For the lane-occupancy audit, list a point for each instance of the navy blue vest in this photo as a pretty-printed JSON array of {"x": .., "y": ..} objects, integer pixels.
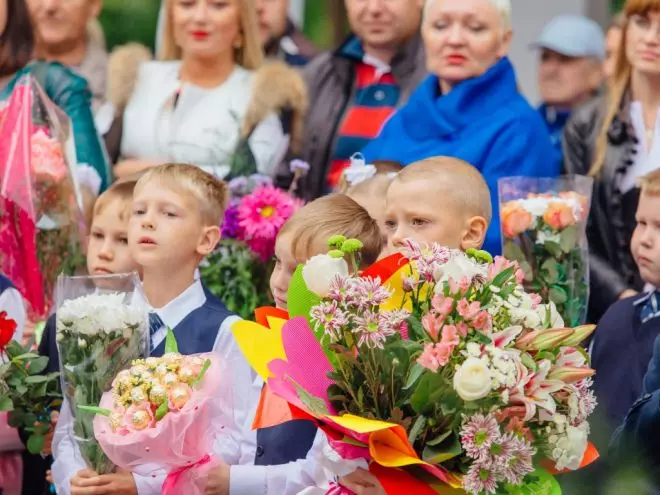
[
  {"x": 284, "y": 443},
  {"x": 197, "y": 332},
  {"x": 5, "y": 283}
]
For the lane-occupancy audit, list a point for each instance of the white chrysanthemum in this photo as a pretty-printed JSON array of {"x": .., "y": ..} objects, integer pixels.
[{"x": 97, "y": 313}]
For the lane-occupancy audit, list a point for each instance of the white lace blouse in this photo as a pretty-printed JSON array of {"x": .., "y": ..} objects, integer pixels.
[{"x": 203, "y": 127}]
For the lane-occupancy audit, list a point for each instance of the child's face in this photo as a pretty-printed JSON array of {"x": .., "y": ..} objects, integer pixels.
[
  {"x": 645, "y": 245},
  {"x": 107, "y": 251},
  {"x": 414, "y": 210},
  {"x": 285, "y": 265},
  {"x": 375, "y": 206},
  {"x": 166, "y": 228}
]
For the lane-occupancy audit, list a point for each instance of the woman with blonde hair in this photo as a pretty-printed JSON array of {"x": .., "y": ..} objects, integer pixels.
[
  {"x": 191, "y": 105},
  {"x": 616, "y": 139}
]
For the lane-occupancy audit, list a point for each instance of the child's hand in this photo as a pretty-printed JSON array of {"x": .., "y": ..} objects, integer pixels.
[
  {"x": 362, "y": 482},
  {"x": 218, "y": 483},
  {"x": 48, "y": 442},
  {"x": 87, "y": 482}
]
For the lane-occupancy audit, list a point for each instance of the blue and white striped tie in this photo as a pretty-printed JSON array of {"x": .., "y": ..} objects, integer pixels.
[{"x": 155, "y": 324}]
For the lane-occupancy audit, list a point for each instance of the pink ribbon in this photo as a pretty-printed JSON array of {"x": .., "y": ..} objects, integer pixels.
[{"x": 170, "y": 484}]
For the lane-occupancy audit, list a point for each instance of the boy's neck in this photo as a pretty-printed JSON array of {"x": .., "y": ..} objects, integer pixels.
[{"x": 163, "y": 286}]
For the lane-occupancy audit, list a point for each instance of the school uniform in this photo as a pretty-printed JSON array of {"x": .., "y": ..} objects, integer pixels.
[{"x": 201, "y": 323}]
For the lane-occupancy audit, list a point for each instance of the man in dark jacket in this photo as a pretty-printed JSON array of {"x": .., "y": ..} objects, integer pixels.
[
  {"x": 354, "y": 89},
  {"x": 279, "y": 36}
]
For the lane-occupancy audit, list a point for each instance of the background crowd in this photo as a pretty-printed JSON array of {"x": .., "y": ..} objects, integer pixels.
[{"x": 411, "y": 80}]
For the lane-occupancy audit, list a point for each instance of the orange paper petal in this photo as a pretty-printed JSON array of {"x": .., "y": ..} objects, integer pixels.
[
  {"x": 273, "y": 411},
  {"x": 590, "y": 456},
  {"x": 261, "y": 314},
  {"x": 400, "y": 482}
]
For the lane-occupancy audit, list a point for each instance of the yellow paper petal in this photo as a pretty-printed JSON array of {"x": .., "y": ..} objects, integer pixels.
[
  {"x": 260, "y": 345},
  {"x": 390, "y": 450},
  {"x": 395, "y": 284},
  {"x": 276, "y": 323},
  {"x": 361, "y": 425}
]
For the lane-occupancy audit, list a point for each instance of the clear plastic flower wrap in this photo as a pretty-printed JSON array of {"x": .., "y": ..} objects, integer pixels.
[
  {"x": 41, "y": 224},
  {"x": 169, "y": 414},
  {"x": 102, "y": 326},
  {"x": 543, "y": 222}
]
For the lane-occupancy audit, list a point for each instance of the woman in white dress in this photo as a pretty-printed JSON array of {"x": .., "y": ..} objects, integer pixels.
[{"x": 190, "y": 106}]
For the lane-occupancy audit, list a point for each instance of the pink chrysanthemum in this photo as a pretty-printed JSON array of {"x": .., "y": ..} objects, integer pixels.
[
  {"x": 480, "y": 479},
  {"x": 478, "y": 434},
  {"x": 372, "y": 329},
  {"x": 397, "y": 320},
  {"x": 330, "y": 317},
  {"x": 341, "y": 289},
  {"x": 519, "y": 464},
  {"x": 586, "y": 400},
  {"x": 369, "y": 293},
  {"x": 262, "y": 214}
]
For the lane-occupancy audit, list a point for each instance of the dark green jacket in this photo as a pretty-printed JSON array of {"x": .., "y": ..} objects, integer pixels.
[{"x": 70, "y": 93}]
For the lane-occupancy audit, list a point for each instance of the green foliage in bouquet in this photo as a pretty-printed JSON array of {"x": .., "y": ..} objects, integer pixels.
[
  {"x": 235, "y": 275},
  {"x": 28, "y": 394}
]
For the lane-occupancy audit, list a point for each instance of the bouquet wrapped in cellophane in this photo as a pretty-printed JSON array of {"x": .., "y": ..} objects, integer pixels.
[
  {"x": 102, "y": 326},
  {"x": 41, "y": 225},
  {"x": 439, "y": 365},
  {"x": 543, "y": 222},
  {"x": 170, "y": 413}
]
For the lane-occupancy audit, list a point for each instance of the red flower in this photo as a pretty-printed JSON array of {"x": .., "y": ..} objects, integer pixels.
[{"x": 7, "y": 329}]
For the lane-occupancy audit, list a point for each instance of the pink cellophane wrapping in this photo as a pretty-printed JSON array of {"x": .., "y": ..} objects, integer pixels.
[
  {"x": 11, "y": 463},
  {"x": 186, "y": 439}
]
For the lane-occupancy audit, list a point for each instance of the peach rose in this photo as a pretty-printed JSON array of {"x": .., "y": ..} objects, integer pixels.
[
  {"x": 47, "y": 156},
  {"x": 581, "y": 199},
  {"x": 515, "y": 220},
  {"x": 559, "y": 215}
]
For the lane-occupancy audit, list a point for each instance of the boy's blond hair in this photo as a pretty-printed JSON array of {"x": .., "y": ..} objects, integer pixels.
[
  {"x": 209, "y": 192},
  {"x": 121, "y": 191},
  {"x": 336, "y": 214},
  {"x": 376, "y": 186},
  {"x": 457, "y": 180},
  {"x": 650, "y": 183}
]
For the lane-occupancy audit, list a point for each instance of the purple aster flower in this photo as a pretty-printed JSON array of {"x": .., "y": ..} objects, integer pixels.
[
  {"x": 238, "y": 186},
  {"x": 300, "y": 166},
  {"x": 480, "y": 478},
  {"x": 258, "y": 180},
  {"x": 231, "y": 228},
  {"x": 478, "y": 434}
]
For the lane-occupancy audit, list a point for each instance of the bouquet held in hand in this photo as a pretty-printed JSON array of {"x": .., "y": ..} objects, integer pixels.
[
  {"x": 439, "y": 364},
  {"x": 98, "y": 335},
  {"x": 543, "y": 225}
]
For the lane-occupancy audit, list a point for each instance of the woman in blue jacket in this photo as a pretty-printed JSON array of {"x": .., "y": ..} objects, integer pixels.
[{"x": 469, "y": 107}]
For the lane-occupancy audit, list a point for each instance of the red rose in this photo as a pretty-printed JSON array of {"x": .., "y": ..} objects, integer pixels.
[{"x": 7, "y": 329}]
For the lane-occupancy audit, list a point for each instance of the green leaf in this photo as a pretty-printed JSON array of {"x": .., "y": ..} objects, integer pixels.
[
  {"x": 503, "y": 276},
  {"x": 6, "y": 404},
  {"x": 527, "y": 270},
  {"x": 417, "y": 428},
  {"x": 415, "y": 374},
  {"x": 439, "y": 439},
  {"x": 95, "y": 410},
  {"x": 170, "y": 342},
  {"x": 36, "y": 379},
  {"x": 202, "y": 373},
  {"x": 15, "y": 418},
  {"x": 35, "y": 443},
  {"x": 38, "y": 365},
  {"x": 550, "y": 271},
  {"x": 553, "y": 248},
  {"x": 430, "y": 390},
  {"x": 482, "y": 337},
  {"x": 24, "y": 356},
  {"x": 513, "y": 251},
  {"x": 540, "y": 482},
  {"x": 569, "y": 238},
  {"x": 557, "y": 295},
  {"x": 162, "y": 411},
  {"x": 447, "y": 450}
]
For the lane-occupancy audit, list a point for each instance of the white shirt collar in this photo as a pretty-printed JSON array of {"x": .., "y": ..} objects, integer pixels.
[{"x": 185, "y": 303}]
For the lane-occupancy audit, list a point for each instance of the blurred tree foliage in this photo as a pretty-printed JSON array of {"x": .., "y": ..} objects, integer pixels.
[
  {"x": 131, "y": 20},
  {"x": 617, "y": 5}
]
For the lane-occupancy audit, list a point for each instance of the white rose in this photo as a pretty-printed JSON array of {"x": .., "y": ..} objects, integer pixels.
[
  {"x": 319, "y": 271},
  {"x": 528, "y": 318},
  {"x": 472, "y": 380},
  {"x": 535, "y": 206},
  {"x": 573, "y": 446}
]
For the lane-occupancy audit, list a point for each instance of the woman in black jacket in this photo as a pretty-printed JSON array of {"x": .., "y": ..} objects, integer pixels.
[{"x": 613, "y": 139}]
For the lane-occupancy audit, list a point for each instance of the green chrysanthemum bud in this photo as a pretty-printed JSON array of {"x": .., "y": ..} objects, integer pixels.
[
  {"x": 336, "y": 241},
  {"x": 336, "y": 253},
  {"x": 351, "y": 246},
  {"x": 479, "y": 255}
]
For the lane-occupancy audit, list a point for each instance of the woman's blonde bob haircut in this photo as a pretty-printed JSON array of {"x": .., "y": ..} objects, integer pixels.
[
  {"x": 249, "y": 56},
  {"x": 620, "y": 79}
]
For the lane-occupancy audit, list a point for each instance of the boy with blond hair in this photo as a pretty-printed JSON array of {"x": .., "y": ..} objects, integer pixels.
[
  {"x": 442, "y": 200},
  {"x": 177, "y": 213},
  {"x": 285, "y": 461}
]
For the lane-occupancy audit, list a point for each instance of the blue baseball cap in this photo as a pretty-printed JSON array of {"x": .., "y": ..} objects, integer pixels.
[{"x": 573, "y": 36}]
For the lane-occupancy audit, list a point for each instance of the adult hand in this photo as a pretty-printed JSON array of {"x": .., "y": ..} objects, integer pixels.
[
  {"x": 218, "y": 483},
  {"x": 131, "y": 166},
  {"x": 362, "y": 482},
  {"x": 87, "y": 482},
  {"x": 628, "y": 293},
  {"x": 48, "y": 441}
]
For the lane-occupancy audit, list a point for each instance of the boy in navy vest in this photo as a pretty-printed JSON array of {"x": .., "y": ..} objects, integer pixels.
[
  {"x": 284, "y": 456},
  {"x": 175, "y": 222},
  {"x": 623, "y": 342}
]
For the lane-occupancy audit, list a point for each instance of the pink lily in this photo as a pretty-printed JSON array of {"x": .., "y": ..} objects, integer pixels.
[
  {"x": 506, "y": 336},
  {"x": 534, "y": 390},
  {"x": 570, "y": 356},
  {"x": 542, "y": 340},
  {"x": 571, "y": 374},
  {"x": 580, "y": 334}
]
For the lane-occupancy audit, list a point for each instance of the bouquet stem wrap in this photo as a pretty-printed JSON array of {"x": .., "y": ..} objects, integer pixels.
[
  {"x": 543, "y": 223},
  {"x": 100, "y": 331}
]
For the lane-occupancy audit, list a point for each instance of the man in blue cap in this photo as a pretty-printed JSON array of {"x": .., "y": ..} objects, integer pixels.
[{"x": 572, "y": 51}]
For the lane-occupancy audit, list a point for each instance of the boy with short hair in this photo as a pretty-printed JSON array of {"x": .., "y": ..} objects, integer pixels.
[
  {"x": 442, "y": 200},
  {"x": 176, "y": 216},
  {"x": 284, "y": 464}
]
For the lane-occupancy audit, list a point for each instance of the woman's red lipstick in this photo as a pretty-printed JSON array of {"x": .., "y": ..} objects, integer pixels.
[{"x": 200, "y": 35}]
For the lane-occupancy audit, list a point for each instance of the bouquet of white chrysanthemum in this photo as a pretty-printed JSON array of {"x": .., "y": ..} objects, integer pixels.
[{"x": 101, "y": 329}]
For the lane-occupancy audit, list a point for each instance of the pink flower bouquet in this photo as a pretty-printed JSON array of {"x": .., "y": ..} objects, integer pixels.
[
  {"x": 437, "y": 365},
  {"x": 166, "y": 414}
]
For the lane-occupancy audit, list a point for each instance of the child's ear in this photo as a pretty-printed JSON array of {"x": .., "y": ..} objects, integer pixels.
[
  {"x": 208, "y": 241},
  {"x": 474, "y": 234}
]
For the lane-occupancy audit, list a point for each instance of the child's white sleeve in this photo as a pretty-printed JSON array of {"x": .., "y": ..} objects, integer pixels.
[{"x": 310, "y": 475}]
